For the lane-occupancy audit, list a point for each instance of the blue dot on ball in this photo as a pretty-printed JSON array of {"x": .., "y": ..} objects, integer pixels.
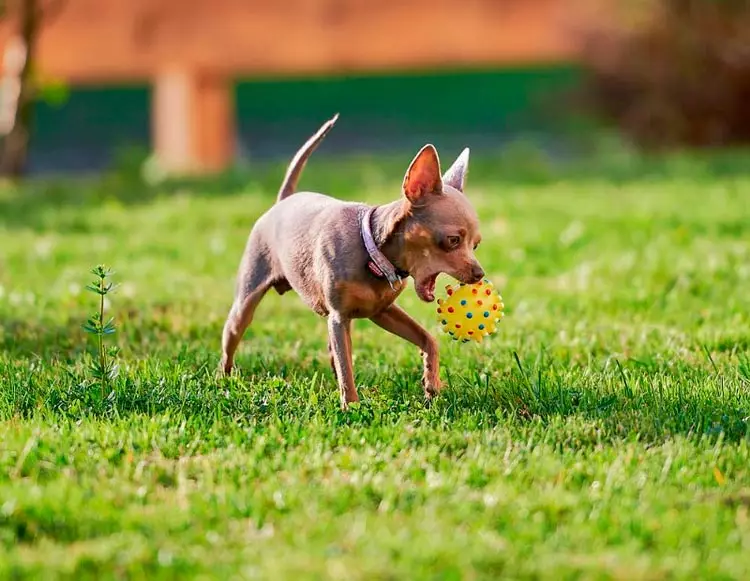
[
  {"x": 469, "y": 315},
  {"x": 463, "y": 302},
  {"x": 481, "y": 326},
  {"x": 486, "y": 314}
]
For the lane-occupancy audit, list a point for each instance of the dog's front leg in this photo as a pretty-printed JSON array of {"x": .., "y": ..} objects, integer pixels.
[
  {"x": 340, "y": 341},
  {"x": 395, "y": 320}
]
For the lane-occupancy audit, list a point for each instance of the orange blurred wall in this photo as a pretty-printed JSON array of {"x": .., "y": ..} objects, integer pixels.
[{"x": 192, "y": 50}]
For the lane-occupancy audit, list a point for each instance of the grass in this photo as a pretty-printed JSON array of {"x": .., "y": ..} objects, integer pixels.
[{"x": 602, "y": 434}]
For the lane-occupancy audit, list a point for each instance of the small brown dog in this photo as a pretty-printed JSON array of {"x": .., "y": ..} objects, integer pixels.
[{"x": 348, "y": 260}]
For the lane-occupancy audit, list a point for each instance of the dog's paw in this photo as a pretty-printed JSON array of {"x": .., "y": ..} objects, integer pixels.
[
  {"x": 224, "y": 369},
  {"x": 431, "y": 388}
]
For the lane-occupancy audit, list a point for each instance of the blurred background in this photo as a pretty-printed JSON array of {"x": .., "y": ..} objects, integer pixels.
[{"x": 200, "y": 86}]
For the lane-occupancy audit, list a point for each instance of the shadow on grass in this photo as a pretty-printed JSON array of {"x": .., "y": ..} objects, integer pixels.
[
  {"x": 350, "y": 177},
  {"x": 44, "y": 370},
  {"x": 28, "y": 204},
  {"x": 25, "y": 340}
]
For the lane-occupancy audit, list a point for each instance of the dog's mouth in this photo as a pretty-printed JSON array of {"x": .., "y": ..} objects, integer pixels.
[{"x": 426, "y": 288}]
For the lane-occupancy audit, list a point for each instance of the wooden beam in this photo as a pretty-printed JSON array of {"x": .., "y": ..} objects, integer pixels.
[
  {"x": 192, "y": 121},
  {"x": 95, "y": 41}
]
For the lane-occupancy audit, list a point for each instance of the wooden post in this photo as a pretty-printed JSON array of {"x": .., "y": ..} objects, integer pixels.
[
  {"x": 214, "y": 122},
  {"x": 15, "y": 146},
  {"x": 192, "y": 121},
  {"x": 14, "y": 60}
]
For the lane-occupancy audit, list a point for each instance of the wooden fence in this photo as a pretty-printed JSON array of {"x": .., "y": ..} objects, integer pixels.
[{"x": 191, "y": 51}]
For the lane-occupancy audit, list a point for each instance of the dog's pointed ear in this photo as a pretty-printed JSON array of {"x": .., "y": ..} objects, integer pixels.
[
  {"x": 455, "y": 177},
  {"x": 423, "y": 176}
]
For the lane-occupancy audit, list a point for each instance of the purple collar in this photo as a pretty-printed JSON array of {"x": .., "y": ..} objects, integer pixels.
[{"x": 378, "y": 264}]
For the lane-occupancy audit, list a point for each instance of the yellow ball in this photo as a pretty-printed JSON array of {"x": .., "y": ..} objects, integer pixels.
[{"x": 470, "y": 311}]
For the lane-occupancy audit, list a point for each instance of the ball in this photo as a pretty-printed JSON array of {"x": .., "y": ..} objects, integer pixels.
[{"x": 470, "y": 312}]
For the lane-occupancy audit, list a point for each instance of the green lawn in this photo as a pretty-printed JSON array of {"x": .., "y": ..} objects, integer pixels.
[{"x": 602, "y": 434}]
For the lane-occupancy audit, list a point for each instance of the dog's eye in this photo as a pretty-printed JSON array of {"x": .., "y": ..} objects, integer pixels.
[{"x": 453, "y": 241}]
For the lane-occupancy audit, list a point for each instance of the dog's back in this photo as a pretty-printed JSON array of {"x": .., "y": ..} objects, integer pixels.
[{"x": 309, "y": 236}]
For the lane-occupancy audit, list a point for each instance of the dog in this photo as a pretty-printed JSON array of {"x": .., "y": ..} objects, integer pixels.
[{"x": 349, "y": 260}]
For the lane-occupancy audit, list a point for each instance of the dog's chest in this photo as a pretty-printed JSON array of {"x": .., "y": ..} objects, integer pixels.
[{"x": 362, "y": 300}]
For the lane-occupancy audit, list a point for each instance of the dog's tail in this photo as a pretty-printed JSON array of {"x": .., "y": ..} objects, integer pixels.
[{"x": 289, "y": 185}]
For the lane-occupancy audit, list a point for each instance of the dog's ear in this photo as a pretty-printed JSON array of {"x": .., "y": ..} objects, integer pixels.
[
  {"x": 455, "y": 177},
  {"x": 423, "y": 176}
]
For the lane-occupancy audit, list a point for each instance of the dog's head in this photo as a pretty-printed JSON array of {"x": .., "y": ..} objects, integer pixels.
[{"x": 441, "y": 229}]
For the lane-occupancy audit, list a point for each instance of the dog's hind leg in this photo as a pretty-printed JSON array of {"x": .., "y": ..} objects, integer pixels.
[
  {"x": 333, "y": 361},
  {"x": 256, "y": 277}
]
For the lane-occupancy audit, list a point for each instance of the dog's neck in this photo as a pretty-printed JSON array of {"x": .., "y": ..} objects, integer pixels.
[{"x": 387, "y": 230}]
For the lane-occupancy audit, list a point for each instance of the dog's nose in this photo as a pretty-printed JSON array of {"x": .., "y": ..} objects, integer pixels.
[{"x": 477, "y": 273}]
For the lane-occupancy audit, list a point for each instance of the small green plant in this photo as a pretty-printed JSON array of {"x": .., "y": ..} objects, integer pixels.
[{"x": 104, "y": 366}]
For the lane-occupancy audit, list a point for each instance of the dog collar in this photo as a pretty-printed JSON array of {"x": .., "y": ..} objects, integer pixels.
[{"x": 378, "y": 264}]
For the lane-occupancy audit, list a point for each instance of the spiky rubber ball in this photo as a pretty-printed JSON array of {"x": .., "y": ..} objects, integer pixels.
[{"x": 470, "y": 312}]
